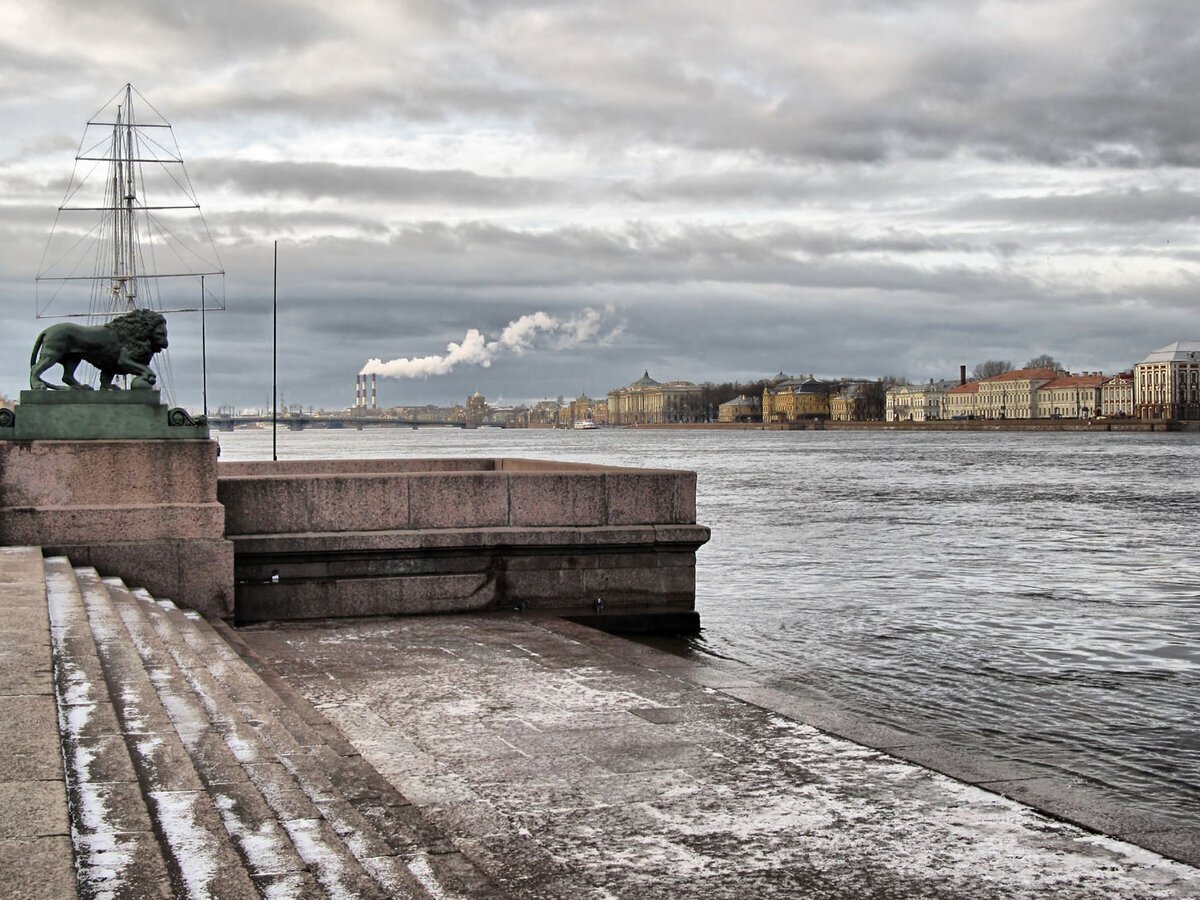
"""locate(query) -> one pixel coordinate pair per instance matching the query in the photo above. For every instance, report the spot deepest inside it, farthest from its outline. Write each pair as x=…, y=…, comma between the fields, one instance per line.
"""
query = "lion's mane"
x=135, y=330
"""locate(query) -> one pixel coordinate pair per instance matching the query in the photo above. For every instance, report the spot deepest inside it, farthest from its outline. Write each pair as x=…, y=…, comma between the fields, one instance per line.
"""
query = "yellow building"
x=545, y=412
x=960, y=400
x=650, y=402
x=740, y=409
x=793, y=400
x=1070, y=397
x=476, y=410
x=583, y=409
x=1013, y=394
x=844, y=405
x=841, y=408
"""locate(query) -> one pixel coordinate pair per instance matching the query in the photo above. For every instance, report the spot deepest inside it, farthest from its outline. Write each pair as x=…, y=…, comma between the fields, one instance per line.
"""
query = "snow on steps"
x=116, y=849
x=189, y=776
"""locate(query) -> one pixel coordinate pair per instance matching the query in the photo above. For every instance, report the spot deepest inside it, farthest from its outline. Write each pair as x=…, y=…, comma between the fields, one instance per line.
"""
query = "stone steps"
x=116, y=848
x=35, y=840
x=210, y=783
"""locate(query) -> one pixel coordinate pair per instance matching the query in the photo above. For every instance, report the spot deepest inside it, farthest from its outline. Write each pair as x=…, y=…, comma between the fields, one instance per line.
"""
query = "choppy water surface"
x=1032, y=596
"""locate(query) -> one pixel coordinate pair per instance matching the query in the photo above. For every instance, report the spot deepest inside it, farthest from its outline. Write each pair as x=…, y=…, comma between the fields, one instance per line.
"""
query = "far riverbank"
x=956, y=425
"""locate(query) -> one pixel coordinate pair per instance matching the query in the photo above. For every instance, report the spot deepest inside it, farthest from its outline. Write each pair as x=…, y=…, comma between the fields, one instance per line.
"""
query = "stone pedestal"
x=143, y=510
x=99, y=415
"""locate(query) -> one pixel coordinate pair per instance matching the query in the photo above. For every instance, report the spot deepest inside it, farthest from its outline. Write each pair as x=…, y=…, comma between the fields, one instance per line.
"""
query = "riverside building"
x=740, y=409
x=1071, y=397
x=583, y=409
x=1167, y=382
x=917, y=402
x=1011, y=395
x=650, y=402
x=960, y=400
x=795, y=400
x=1021, y=394
x=844, y=405
x=1116, y=396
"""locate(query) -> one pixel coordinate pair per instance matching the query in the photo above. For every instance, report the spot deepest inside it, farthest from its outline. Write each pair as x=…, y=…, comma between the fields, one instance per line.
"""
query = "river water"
x=1034, y=597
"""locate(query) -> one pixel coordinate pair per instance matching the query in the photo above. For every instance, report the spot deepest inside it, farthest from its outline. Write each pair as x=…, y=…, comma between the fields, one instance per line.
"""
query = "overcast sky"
x=723, y=190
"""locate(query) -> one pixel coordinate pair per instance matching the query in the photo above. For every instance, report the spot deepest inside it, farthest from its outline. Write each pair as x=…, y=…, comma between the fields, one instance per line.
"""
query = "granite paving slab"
x=564, y=763
x=35, y=843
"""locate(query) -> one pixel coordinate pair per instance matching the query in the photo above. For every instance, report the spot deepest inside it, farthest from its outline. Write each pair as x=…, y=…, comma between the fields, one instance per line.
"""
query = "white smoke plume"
x=518, y=336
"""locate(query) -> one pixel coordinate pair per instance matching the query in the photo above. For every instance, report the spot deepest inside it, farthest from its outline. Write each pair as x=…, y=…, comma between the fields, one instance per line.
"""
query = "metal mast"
x=124, y=279
x=139, y=250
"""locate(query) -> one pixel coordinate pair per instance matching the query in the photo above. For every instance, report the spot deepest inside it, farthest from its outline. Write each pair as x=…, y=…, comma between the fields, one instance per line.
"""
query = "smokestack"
x=373, y=393
x=962, y=374
x=357, y=391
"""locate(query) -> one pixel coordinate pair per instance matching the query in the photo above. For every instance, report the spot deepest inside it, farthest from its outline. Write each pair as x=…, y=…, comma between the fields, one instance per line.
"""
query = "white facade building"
x=917, y=402
x=1117, y=396
x=1166, y=383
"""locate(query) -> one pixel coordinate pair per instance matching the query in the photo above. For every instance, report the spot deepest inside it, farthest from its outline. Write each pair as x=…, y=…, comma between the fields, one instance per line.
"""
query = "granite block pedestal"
x=99, y=415
x=106, y=479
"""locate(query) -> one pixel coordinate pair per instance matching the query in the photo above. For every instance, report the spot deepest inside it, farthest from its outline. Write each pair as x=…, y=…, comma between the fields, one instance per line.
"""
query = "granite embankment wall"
x=1011, y=425
x=320, y=538
x=1136, y=425
x=257, y=541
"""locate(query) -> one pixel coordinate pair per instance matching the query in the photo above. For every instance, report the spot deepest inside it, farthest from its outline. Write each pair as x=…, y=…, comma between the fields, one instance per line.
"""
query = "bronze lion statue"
x=122, y=346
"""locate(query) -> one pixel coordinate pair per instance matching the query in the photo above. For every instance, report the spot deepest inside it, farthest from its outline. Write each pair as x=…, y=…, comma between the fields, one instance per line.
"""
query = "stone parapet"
x=261, y=468
x=374, y=537
x=512, y=493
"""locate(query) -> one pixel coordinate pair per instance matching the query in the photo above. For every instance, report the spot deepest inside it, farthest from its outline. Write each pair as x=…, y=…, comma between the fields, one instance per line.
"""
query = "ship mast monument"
x=128, y=245
x=94, y=465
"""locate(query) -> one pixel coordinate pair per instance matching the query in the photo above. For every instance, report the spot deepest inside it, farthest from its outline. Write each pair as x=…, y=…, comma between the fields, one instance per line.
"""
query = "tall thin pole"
x=203, y=352
x=118, y=219
x=275, y=358
x=130, y=200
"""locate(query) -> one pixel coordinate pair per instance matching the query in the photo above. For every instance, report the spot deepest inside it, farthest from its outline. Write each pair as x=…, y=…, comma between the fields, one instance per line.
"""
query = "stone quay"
x=151, y=752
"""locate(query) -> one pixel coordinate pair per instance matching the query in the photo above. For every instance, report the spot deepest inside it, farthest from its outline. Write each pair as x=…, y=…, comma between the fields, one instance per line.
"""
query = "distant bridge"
x=299, y=423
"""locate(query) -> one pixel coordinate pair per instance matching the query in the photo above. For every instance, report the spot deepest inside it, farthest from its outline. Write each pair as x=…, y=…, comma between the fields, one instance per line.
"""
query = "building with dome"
x=476, y=409
x=650, y=402
x=583, y=409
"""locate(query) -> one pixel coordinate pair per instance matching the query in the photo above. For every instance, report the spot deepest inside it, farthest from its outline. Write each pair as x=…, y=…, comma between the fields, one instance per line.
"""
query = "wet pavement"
x=564, y=762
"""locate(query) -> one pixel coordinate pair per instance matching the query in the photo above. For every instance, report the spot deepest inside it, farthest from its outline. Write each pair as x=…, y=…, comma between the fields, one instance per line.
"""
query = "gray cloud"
x=842, y=188
x=1100, y=208
x=391, y=184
